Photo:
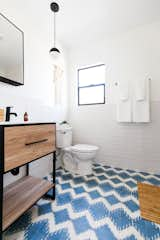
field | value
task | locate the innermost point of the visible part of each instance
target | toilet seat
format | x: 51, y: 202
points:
x: 83, y: 148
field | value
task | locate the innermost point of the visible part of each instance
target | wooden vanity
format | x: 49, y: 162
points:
x: 20, y: 145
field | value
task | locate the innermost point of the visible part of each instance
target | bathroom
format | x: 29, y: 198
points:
x: 93, y: 194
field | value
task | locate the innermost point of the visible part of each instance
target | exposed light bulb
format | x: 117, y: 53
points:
x: 55, y: 54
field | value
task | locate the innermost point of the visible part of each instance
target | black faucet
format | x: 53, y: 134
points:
x: 9, y: 113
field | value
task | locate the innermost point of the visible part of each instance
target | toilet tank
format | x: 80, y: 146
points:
x: 63, y: 136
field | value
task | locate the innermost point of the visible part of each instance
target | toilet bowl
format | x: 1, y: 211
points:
x: 79, y: 158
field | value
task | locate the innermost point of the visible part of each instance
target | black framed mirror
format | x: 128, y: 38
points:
x: 11, y: 53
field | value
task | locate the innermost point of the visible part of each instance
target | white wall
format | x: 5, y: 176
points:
x: 129, y: 56
x: 37, y: 95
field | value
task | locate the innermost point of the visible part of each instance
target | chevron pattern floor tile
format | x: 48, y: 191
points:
x: 100, y: 206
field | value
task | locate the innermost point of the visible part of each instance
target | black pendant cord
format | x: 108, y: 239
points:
x: 54, y: 38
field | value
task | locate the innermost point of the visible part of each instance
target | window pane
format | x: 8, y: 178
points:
x: 92, y: 76
x: 91, y: 95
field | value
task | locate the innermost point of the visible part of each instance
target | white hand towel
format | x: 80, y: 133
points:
x: 123, y: 92
x: 140, y: 90
x: 124, y: 111
x: 141, y: 104
x: 141, y: 111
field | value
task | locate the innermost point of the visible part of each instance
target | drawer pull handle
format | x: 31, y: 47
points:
x: 40, y: 141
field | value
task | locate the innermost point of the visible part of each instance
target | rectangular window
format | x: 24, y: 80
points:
x: 91, y: 85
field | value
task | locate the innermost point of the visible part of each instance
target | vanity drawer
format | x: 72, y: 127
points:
x: 26, y: 143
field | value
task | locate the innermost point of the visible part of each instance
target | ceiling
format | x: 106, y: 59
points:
x: 84, y: 21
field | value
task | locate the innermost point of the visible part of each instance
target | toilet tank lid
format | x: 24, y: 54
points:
x: 84, y: 148
x: 63, y: 127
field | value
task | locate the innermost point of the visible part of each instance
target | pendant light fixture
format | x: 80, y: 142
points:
x: 54, y: 52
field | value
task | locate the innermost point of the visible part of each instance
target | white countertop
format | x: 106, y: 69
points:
x: 23, y: 123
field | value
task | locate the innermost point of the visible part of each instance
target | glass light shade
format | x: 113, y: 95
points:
x: 55, y: 54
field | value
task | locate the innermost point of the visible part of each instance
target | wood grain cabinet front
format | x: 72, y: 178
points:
x: 23, y: 144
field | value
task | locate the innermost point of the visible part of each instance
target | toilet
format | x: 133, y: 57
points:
x: 78, y: 158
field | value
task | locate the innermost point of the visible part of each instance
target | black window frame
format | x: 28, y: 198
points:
x: 92, y: 85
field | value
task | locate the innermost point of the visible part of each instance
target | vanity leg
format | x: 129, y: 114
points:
x: 27, y: 169
x: 54, y: 175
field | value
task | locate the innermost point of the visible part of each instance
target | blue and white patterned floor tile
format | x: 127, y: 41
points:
x: 100, y: 206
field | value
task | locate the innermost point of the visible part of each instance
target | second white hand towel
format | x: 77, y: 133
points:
x: 141, y: 103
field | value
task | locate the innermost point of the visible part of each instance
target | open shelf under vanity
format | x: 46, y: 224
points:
x: 20, y: 145
x: 19, y: 196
